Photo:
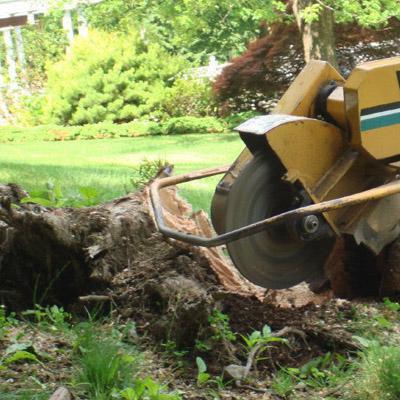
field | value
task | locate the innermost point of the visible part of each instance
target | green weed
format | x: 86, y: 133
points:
x: 263, y: 338
x: 146, y: 389
x: 146, y: 171
x: 327, y: 371
x: 53, y: 196
x: 6, y: 321
x: 220, y: 324
x: 391, y: 305
x: 379, y: 374
x: 104, y: 365
x: 202, y: 375
x: 50, y: 317
x: 23, y: 394
x: 205, y: 378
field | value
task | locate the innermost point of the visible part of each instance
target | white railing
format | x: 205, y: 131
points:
x: 210, y: 71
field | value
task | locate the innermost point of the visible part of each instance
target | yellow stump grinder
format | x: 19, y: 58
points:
x: 321, y: 165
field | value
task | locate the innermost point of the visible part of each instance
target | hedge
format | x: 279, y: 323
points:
x: 105, y: 130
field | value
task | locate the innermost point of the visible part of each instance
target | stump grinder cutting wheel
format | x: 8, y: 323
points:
x: 322, y: 165
x: 282, y: 255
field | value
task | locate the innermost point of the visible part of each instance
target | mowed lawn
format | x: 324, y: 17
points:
x: 108, y: 164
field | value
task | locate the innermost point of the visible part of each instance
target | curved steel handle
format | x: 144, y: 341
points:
x: 351, y: 200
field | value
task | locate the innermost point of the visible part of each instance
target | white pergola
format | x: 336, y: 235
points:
x: 16, y: 13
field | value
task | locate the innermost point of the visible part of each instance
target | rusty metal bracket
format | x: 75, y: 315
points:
x: 379, y: 192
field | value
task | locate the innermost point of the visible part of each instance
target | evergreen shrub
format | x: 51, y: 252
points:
x: 110, y: 77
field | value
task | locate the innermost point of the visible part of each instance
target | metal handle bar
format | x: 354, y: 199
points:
x: 256, y: 227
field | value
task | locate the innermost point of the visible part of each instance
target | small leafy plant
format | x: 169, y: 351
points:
x: 146, y: 171
x: 202, y: 375
x: 53, y: 196
x: 146, y: 389
x: 391, y: 305
x: 329, y: 370
x: 6, y: 321
x: 51, y: 316
x: 220, y: 324
x: 263, y: 338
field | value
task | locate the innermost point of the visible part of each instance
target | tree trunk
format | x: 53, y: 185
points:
x: 318, y: 37
x: 113, y: 255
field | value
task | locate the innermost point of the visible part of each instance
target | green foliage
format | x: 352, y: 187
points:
x: 182, y: 125
x: 104, y: 365
x: 379, y: 374
x: 236, y: 119
x: 220, y: 332
x: 189, y: 97
x: 18, y: 352
x: 109, y: 77
x: 146, y: 171
x: 219, y: 322
x: 205, y: 378
x: 369, y: 13
x: 146, y: 389
x: 58, y: 317
x: 263, y: 337
x: 391, y: 305
x: 327, y: 371
x: 25, y: 394
x: 50, y: 316
x: 29, y: 110
x: 52, y: 196
x: 21, y: 355
x: 311, y: 13
x: 110, y: 130
x: 101, y: 130
x: 196, y: 29
x: 202, y: 375
x: 6, y: 321
x: 44, y: 42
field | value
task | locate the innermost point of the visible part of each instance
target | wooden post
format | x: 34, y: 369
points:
x: 82, y: 23
x: 68, y: 25
x: 10, y: 57
x: 20, y: 48
x: 4, y: 111
x: 31, y: 18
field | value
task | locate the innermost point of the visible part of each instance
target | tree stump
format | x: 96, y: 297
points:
x: 113, y: 250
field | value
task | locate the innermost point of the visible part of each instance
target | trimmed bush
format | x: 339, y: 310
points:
x: 184, y: 125
x: 189, y: 97
x: 106, y: 130
x: 109, y: 77
x: 58, y: 133
x: 236, y: 119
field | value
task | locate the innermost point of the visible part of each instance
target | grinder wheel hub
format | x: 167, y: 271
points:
x: 310, y: 224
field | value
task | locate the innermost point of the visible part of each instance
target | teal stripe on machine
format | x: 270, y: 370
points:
x: 380, y: 122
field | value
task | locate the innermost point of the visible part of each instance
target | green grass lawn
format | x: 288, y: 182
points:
x: 108, y: 164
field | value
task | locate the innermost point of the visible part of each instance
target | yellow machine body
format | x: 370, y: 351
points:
x: 321, y: 165
x: 372, y: 106
x: 346, y: 150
